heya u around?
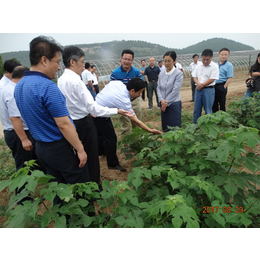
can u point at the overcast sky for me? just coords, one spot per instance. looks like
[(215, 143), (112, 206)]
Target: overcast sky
[(20, 41), (173, 24)]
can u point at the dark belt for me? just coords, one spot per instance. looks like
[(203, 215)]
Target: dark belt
[(208, 87), (221, 83)]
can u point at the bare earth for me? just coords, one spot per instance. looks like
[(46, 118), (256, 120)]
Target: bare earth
[(236, 88)]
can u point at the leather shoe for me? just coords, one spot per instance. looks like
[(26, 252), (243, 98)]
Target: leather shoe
[(117, 167)]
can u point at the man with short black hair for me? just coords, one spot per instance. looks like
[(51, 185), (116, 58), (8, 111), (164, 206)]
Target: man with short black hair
[(124, 73), (88, 79), (204, 77), (226, 73), (116, 94), (9, 66), (81, 106), (193, 66), (16, 133), (43, 107)]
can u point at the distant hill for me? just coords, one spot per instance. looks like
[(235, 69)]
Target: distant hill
[(112, 50), (215, 44)]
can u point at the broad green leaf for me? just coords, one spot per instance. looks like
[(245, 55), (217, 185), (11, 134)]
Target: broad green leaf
[(245, 219), (230, 187), (46, 218), (60, 222), (177, 222), (219, 219)]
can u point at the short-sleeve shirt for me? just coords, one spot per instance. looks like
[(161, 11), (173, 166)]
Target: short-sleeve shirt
[(40, 101), (124, 76), (204, 73), (152, 73), (8, 107), (225, 71)]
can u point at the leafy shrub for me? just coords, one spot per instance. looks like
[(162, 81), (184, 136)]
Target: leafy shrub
[(247, 111), (202, 176)]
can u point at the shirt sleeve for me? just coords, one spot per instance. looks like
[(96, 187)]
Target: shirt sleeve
[(230, 71), (176, 87), (55, 101), (91, 105), (159, 89)]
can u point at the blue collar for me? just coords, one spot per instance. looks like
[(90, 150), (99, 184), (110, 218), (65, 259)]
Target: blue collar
[(35, 73), (122, 69), (222, 63)]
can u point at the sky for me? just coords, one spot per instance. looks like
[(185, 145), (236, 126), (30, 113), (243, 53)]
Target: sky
[(20, 41), (169, 23)]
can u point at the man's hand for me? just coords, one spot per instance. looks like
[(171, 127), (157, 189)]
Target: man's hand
[(125, 113), (82, 158), (155, 131), (199, 86), (27, 145)]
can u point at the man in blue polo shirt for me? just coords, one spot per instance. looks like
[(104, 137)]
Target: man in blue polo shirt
[(43, 107), (124, 73), (226, 73)]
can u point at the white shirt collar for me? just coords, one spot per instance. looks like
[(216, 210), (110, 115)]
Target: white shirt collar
[(171, 71)]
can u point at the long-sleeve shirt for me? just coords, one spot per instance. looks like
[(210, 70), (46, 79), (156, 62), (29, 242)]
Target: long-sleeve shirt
[(169, 86), (79, 101)]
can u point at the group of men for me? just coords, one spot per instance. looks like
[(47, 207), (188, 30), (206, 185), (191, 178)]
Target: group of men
[(209, 82), (64, 121)]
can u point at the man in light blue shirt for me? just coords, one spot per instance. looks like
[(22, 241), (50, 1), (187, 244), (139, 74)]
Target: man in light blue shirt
[(116, 94), (226, 74)]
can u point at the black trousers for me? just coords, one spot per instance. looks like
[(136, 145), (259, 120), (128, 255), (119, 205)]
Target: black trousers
[(193, 86), (108, 138), (87, 132), (220, 98), (19, 154)]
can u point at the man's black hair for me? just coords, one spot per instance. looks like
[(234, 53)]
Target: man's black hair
[(195, 55), (207, 52), (71, 53), (43, 46), (87, 65), (224, 49), (18, 72), (127, 51), (136, 84), (9, 65)]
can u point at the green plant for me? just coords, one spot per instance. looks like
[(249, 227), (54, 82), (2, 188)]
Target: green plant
[(205, 175), (247, 111), (74, 211)]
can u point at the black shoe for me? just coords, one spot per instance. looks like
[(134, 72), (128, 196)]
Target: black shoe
[(118, 167), (192, 100)]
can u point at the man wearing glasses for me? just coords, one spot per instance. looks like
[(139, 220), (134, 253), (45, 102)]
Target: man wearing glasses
[(124, 73), (43, 107)]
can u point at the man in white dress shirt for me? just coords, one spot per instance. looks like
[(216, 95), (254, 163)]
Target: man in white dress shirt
[(88, 79), (205, 76), (193, 66), (117, 94), (9, 66), (81, 106)]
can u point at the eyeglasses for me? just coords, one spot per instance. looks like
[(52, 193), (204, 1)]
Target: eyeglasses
[(125, 59)]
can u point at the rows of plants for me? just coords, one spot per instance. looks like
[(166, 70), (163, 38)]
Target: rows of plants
[(203, 175)]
